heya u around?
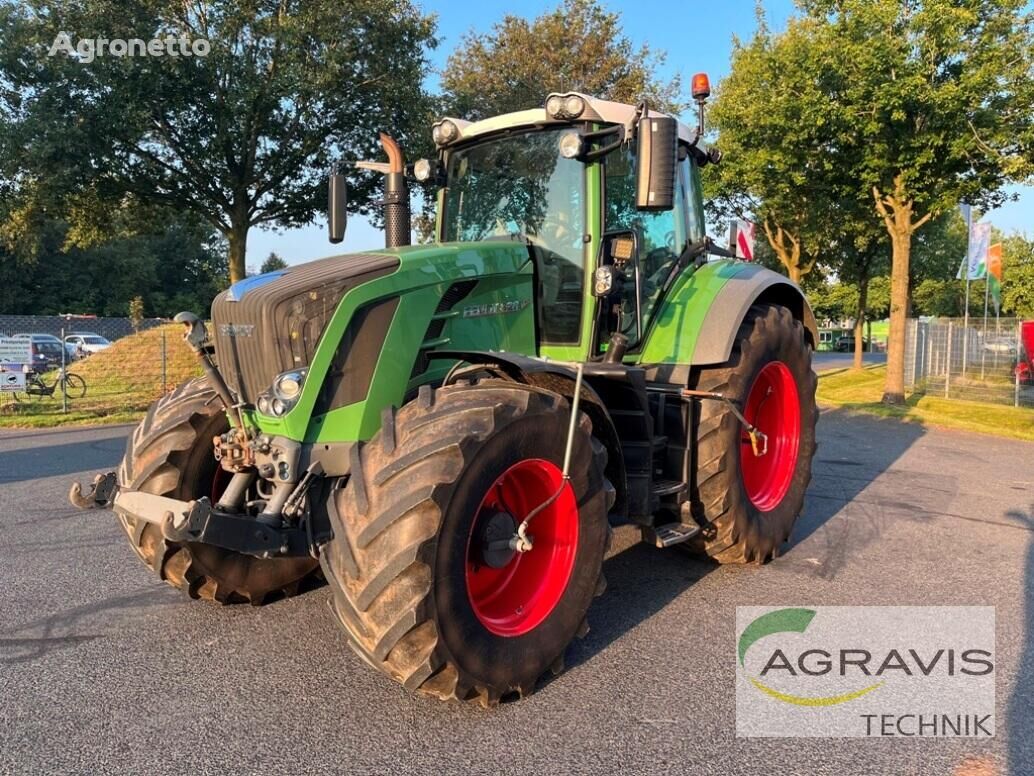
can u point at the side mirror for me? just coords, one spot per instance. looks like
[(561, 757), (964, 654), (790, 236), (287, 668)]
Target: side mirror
[(337, 207), (656, 161)]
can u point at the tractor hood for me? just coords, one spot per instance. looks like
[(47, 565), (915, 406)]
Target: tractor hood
[(272, 323)]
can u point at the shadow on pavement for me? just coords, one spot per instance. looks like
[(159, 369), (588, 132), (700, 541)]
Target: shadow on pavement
[(40, 460), (1020, 710), (32, 640), (641, 581), (853, 451)]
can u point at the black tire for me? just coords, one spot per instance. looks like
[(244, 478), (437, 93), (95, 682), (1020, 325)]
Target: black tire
[(170, 454), (74, 387), (23, 397), (736, 529), (397, 564)]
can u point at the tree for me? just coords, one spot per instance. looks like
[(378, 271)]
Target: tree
[(934, 94), (774, 131), (579, 46), (272, 263), (175, 264), (241, 137)]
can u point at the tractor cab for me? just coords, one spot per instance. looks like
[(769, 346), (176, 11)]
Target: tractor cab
[(606, 197)]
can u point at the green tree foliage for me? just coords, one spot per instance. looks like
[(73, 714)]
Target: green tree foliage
[(272, 263), (932, 96), (840, 301), (240, 138), (579, 46), (777, 132), (177, 266)]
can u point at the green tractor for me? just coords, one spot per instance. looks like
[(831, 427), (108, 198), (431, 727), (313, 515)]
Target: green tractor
[(447, 431)]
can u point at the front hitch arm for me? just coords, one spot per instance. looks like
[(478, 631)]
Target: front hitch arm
[(101, 494)]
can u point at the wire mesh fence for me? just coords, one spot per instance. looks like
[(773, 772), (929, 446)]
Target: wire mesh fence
[(87, 367), (970, 360)]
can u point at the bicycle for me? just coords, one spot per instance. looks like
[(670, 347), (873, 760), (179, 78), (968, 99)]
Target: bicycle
[(71, 385)]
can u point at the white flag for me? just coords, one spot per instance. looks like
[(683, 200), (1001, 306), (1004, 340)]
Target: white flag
[(976, 257)]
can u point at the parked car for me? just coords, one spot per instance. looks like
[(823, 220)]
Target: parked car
[(83, 343), (46, 350), (845, 344), (1003, 346)]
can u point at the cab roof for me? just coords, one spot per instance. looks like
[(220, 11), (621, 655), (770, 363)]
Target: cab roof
[(596, 109)]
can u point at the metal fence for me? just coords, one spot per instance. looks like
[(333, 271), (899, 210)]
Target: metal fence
[(92, 367), (969, 360)]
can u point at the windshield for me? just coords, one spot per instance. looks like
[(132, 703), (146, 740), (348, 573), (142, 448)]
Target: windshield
[(518, 187)]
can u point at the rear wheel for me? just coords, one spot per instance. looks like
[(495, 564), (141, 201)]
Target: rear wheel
[(170, 454), (426, 584), (747, 494), (74, 387)]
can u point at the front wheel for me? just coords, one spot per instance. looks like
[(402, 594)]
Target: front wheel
[(426, 584), (170, 454), (748, 493)]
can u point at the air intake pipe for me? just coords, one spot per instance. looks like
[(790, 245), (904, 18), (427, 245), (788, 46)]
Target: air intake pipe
[(397, 220)]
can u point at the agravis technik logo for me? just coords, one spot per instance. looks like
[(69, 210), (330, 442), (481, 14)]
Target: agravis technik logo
[(791, 621), (865, 671)]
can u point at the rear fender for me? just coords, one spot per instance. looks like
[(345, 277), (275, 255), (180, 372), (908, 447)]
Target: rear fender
[(698, 321)]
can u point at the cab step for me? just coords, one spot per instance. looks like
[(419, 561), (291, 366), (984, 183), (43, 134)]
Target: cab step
[(668, 487), (670, 534)]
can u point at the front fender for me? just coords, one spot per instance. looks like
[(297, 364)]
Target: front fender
[(697, 322)]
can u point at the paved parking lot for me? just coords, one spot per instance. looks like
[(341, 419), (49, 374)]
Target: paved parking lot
[(105, 670)]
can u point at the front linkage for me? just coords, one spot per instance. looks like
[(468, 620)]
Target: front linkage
[(198, 521)]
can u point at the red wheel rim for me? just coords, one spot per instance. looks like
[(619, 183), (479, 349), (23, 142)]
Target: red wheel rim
[(518, 593), (773, 407)]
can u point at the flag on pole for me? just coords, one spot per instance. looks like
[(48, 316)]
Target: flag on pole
[(975, 264), (994, 274), (743, 239)]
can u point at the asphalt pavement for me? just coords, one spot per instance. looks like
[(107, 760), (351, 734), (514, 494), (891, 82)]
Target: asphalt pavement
[(831, 359), (103, 669)]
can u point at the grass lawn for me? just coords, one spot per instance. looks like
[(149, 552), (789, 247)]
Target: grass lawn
[(121, 383), (861, 392)]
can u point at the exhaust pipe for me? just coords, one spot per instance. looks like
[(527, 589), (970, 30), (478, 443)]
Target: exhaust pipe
[(397, 218)]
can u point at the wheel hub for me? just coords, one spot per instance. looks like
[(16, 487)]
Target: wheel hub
[(495, 530)]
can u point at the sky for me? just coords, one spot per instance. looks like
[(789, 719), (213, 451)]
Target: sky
[(695, 36)]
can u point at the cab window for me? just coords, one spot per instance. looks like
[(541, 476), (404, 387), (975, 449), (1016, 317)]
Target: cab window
[(663, 235)]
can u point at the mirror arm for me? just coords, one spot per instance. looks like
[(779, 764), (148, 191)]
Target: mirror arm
[(618, 131)]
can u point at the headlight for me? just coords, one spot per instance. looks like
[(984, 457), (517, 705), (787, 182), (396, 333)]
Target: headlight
[(570, 145), (283, 394), (422, 169), (565, 106), (574, 105), (444, 132), (289, 385)]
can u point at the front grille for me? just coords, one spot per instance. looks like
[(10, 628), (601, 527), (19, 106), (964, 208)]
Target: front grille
[(265, 327)]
